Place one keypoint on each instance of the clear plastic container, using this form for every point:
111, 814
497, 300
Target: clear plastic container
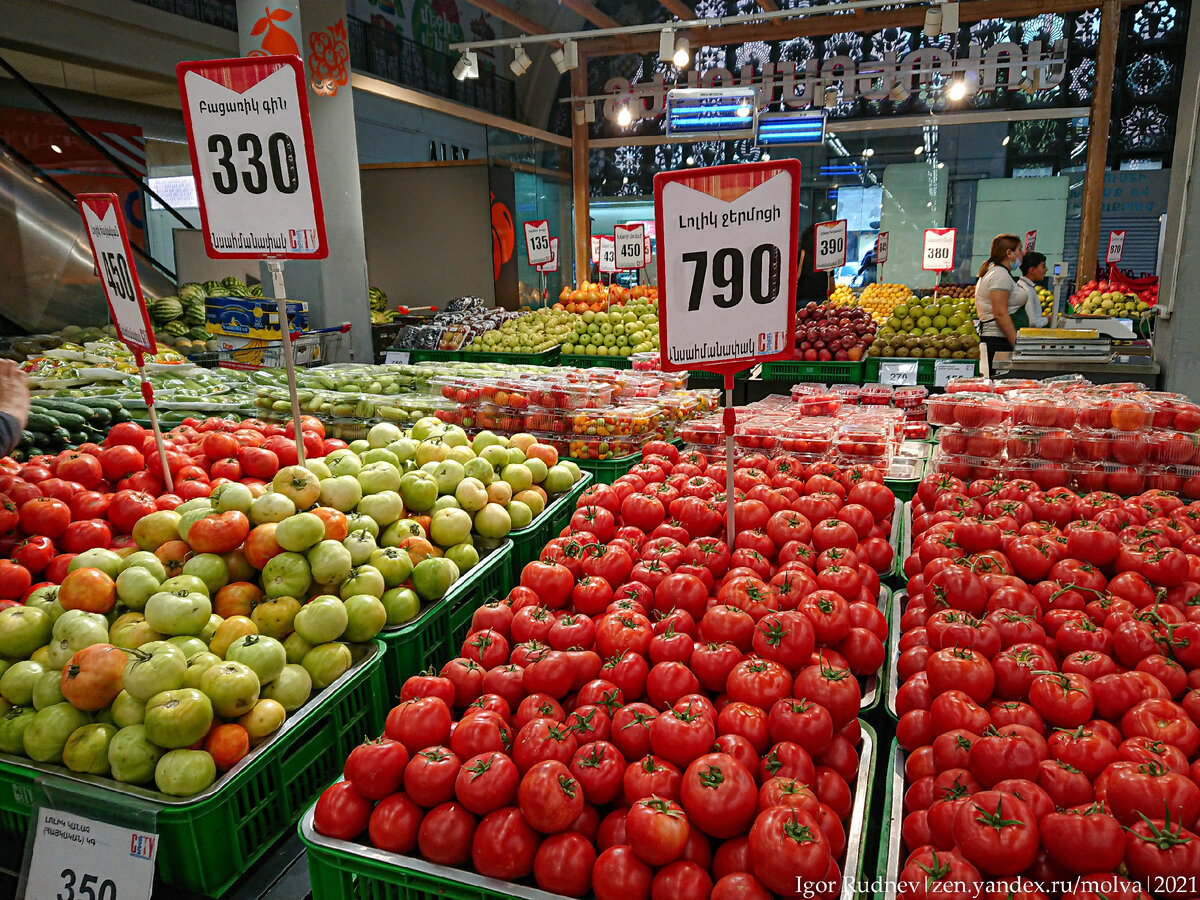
1044, 473
807, 388
1008, 385
702, 432
975, 383
916, 430
864, 442
1042, 408
553, 394
1031, 442
1125, 480
968, 468
967, 408
1169, 447
1173, 411
984, 443
910, 397
809, 436
850, 393
825, 403
876, 395
1107, 409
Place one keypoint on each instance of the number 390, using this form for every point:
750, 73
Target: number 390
729, 271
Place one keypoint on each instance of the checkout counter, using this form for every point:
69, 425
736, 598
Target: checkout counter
1102, 349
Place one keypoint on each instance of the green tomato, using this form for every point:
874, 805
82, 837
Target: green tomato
50, 729
209, 568
321, 619
295, 647
299, 532
127, 711
87, 749
329, 562
185, 583
184, 773
188, 644
132, 755
363, 580
97, 558
153, 668
465, 556
136, 585
450, 526
366, 617
180, 612
394, 564
326, 663
18, 681
286, 575
401, 604
263, 654
43, 598
356, 522
178, 718
232, 687
47, 690
361, 545
197, 665
291, 689
22, 630
271, 507
433, 577
12, 729
493, 521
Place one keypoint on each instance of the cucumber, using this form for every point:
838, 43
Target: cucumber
79, 437
68, 420
97, 416
59, 436
40, 421
116, 411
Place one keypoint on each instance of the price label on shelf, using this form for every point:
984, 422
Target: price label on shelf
945, 369
898, 373
1030, 240
595, 248
537, 242
881, 247
830, 245
78, 857
608, 254
1116, 246
630, 245
252, 157
393, 357
727, 264
114, 264
551, 266
937, 250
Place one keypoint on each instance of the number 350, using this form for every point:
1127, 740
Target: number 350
729, 271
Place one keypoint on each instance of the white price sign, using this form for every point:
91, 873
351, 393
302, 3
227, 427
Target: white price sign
252, 157
937, 250
629, 242
1030, 240
649, 250
830, 245
897, 373
608, 254
77, 858
537, 242
393, 357
595, 249
881, 247
727, 264
1116, 246
114, 262
945, 369
551, 266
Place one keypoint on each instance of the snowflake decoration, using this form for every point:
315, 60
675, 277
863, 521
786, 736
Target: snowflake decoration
797, 50
1144, 128
710, 58
1155, 20
1078, 139
890, 40
746, 151
1083, 80
1087, 28
848, 43
597, 164
1149, 76
1035, 137
668, 157
989, 32
747, 7
629, 188
708, 153
795, 4
1046, 28
755, 53
628, 160
941, 41
711, 9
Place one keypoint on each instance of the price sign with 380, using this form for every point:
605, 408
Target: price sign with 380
252, 156
727, 264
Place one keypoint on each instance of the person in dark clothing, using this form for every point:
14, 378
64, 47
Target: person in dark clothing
811, 285
14, 404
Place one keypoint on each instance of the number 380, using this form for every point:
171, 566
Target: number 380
729, 272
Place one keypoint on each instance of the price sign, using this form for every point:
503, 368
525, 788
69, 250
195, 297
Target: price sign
77, 857
881, 247
252, 157
630, 245
551, 266
648, 249
537, 242
114, 264
727, 264
1116, 246
608, 254
1030, 240
897, 373
945, 369
595, 249
937, 251
393, 357
830, 241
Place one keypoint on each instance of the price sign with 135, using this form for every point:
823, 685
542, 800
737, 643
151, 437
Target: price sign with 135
537, 242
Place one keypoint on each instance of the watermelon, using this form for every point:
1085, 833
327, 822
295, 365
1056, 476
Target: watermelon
256, 290
191, 293
167, 309
215, 289
198, 334
176, 328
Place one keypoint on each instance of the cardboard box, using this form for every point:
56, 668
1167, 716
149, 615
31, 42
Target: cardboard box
252, 317
255, 353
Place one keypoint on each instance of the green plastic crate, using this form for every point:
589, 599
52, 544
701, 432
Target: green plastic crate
206, 843
891, 841
583, 361
529, 542
436, 634
546, 358
342, 870
926, 368
606, 471
799, 370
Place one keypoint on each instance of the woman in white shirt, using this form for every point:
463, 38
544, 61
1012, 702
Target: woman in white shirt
996, 297
1033, 270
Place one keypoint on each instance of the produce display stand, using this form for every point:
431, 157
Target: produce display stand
899, 599
793, 371
887, 866
342, 870
904, 486
437, 632
208, 841
583, 361
606, 471
926, 368
528, 542
546, 358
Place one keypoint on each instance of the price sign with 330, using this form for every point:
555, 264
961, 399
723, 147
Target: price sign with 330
114, 261
252, 157
727, 264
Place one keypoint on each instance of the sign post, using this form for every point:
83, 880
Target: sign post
629, 242
829, 250
727, 240
537, 242
1116, 246
105, 228
256, 173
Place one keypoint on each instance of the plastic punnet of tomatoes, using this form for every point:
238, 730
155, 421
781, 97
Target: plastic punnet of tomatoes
1042, 409
1046, 668
651, 712
975, 383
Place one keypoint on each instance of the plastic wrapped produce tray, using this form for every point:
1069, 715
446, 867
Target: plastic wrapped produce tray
208, 841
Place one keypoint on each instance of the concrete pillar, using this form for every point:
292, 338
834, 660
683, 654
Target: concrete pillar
1179, 334
336, 287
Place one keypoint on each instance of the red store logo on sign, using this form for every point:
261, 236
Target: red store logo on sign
327, 61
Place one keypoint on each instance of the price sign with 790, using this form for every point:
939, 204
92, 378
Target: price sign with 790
280, 159
727, 275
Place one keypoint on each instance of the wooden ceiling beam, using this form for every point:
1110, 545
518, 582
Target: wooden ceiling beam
768, 5
511, 16
679, 9
595, 16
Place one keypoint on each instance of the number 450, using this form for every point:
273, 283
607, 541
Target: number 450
729, 271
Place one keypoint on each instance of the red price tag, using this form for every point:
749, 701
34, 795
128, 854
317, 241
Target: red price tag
105, 228
537, 242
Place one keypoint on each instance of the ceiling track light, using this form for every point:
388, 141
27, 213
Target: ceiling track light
624, 116
666, 46
933, 21
467, 66
566, 57
899, 93
682, 55
831, 96
1030, 83
520, 62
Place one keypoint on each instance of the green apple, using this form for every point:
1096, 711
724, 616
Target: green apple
449, 527
380, 454
361, 544
379, 476
360, 521
518, 476
496, 455
286, 575
419, 490
329, 562
363, 580
393, 563
383, 434
299, 532
271, 507
383, 508
493, 521
343, 462
233, 496
471, 494
465, 556
520, 514
402, 605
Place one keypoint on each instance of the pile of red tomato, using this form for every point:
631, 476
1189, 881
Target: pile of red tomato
54, 507
651, 713
1049, 693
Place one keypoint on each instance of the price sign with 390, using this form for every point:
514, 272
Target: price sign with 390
252, 157
727, 264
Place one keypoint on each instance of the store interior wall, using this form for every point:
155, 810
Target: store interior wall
914, 198
390, 131
1017, 206
428, 233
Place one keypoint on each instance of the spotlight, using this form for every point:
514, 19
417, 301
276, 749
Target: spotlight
957, 89
666, 46
919, 150
625, 179
831, 96
933, 21
1004, 143
869, 152
941, 165
1030, 83
743, 111
566, 57
691, 160
682, 56
520, 62
467, 66
56, 148
766, 157
624, 116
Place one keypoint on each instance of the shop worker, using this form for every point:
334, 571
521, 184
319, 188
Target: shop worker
998, 304
14, 405
1033, 271
811, 285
